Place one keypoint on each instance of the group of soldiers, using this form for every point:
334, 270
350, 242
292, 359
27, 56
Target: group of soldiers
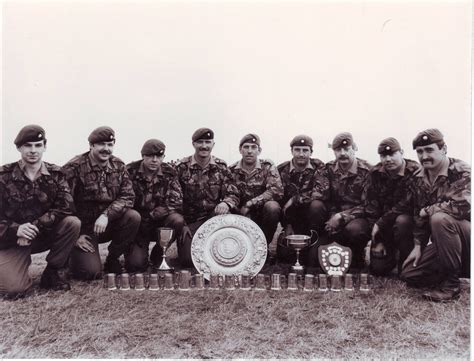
417, 215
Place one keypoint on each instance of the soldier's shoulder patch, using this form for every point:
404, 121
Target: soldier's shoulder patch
316, 163
220, 161
116, 160
78, 159
233, 165
363, 164
459, 165
411, 166
52, 167
281, 166
7, 168
168, 169
267, 162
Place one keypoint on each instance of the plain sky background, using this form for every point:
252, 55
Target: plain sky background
161, 69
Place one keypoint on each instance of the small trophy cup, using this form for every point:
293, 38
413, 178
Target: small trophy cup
165, 237
299, 242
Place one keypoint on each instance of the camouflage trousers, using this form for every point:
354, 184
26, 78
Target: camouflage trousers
15, 261
448, 256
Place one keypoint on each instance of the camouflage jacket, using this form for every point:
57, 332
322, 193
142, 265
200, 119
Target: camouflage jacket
450, 193
386, 197
346, 189
158, 196
204, 188
98, 190
43, 202
305, 186
261, 185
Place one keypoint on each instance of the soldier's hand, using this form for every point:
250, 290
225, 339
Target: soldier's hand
423, 213
379, 250
287, 205
244, 210
28, 231
101, 224
414, 256
221, 208
334, 222
23, 242
375, 230
85, 244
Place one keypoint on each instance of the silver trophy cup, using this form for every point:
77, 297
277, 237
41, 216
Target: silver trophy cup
165, 238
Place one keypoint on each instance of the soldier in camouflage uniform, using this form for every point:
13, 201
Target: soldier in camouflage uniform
259, 185
158, 199
441, 192
103, 197
348, 177
306, 188
35, 215
386, 210
207, 189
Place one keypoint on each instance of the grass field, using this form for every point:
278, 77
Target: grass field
90, 322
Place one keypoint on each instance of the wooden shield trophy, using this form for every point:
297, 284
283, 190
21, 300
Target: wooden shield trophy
334, 259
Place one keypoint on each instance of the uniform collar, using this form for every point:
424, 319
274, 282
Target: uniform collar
95, 163
141, 169
442, 172
21, 170
258, 165
193, 161
308, 166
401, 172
352, 169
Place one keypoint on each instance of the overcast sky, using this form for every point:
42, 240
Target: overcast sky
161, 69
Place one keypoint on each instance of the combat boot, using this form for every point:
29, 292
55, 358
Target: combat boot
54, 279
447, 291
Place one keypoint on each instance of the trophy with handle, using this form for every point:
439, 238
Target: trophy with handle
165, 238
299, 242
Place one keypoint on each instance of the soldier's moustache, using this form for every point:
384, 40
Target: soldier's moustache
108, 152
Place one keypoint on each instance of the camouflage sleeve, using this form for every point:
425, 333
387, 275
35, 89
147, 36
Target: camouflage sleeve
273, 191
321, 189
71, 176
63, 205
125, 198
458, 199
173, 201
229, 191
8, 228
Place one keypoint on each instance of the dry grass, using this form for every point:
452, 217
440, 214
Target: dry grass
89, 322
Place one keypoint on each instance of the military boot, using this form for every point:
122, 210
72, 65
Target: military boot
54, 279
448, 290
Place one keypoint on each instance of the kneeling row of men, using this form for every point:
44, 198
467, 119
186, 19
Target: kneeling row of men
418, 216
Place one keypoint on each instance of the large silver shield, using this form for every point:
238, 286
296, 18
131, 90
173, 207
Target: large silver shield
229, 245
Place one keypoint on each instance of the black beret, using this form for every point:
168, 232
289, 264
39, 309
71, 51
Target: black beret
153, 146
203, 133
388, 146
342, 140
428, 136
250, 138
302, 140
101, 134
30, 133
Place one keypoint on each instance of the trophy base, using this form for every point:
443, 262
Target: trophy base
298, 269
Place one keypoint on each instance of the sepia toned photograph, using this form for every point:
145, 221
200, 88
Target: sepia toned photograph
233, 179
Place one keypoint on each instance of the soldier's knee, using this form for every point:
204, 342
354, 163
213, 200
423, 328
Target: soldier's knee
175, 220
440, 219
272, 209
404, 221
132, 216
317, 207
